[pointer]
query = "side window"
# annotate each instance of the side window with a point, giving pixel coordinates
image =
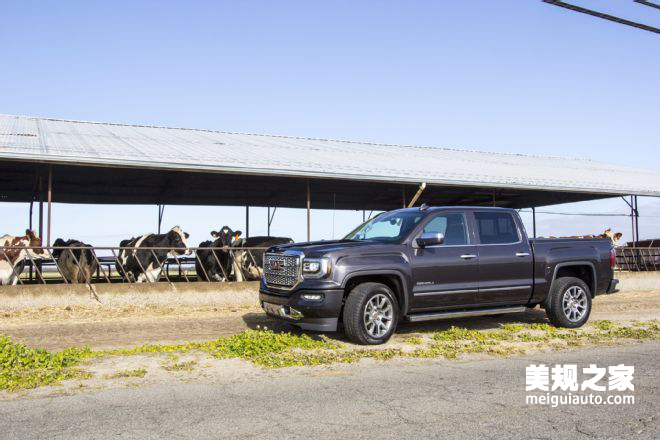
(452, 226)
(496, 228)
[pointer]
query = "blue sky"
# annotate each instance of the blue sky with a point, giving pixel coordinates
(511, 76)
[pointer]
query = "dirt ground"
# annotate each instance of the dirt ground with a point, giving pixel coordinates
(104, 327)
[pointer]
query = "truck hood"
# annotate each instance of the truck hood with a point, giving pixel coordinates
(319, 248)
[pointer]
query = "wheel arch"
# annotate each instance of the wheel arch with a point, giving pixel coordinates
(584, 270)
(391, 278)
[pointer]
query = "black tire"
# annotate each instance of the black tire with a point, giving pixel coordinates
(354, 314)
(555, 309)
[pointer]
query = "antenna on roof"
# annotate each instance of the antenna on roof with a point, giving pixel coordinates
(424, 207)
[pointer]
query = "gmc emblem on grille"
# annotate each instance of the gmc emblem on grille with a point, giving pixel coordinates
(275, 265)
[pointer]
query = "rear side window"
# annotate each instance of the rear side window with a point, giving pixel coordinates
(496, 228)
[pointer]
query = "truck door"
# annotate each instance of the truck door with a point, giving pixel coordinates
(445, 275)
(505, 259)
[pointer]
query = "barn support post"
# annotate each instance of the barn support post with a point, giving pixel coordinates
(419, 192)
(161, 213)
(30, 226)
(50, 200)
(41, 208)
(632, 219)
(637, 219)
(268, 222)
(403, 196)
(270, 218)
(309, 214)
(247, 221)
(534, 221)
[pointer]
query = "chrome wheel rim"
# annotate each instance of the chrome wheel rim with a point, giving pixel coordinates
(575, 303)
(378, 315)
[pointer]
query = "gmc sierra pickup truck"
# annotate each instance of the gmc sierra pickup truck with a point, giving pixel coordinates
(426, 263)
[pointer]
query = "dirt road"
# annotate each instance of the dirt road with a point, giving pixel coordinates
(103, 327)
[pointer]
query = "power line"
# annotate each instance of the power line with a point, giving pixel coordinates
(607, 16)
(587, 214)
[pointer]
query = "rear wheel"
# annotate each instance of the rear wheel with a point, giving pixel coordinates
(570, 302)
(371, 314)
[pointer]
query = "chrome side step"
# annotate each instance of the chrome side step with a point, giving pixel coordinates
(464, 313)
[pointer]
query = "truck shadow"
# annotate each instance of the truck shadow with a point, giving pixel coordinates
(262, 321)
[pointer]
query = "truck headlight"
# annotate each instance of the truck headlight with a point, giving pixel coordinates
(315, 267)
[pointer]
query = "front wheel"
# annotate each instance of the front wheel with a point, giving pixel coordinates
(570, 303)
(371, 314)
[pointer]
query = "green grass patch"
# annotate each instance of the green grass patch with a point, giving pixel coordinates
(181, 366)
(140, 372)
(24, 367)
(413, 340)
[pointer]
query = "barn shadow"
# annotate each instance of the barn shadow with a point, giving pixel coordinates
(533, 316)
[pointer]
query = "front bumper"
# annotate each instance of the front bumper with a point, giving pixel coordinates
(315, 315)
(611, 288)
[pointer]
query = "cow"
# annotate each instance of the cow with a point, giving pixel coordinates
(248, 264)
(15, 251)
(216, 265)
(76, 263)
(614, 237)
(140, 265)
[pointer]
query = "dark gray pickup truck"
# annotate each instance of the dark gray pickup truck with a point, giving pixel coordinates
(420, 264)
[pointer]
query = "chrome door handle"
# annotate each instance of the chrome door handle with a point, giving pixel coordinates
(522, 254)
(468, 256)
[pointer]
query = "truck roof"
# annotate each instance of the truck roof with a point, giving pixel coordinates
(441, 208)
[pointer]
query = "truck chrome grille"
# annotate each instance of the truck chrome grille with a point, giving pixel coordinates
(281, 271)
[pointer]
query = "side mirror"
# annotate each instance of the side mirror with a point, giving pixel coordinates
(430, 239)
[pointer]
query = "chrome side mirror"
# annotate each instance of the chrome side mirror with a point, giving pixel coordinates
(430, 239)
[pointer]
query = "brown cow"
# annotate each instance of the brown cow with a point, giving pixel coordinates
(14, 250)
(613, 236)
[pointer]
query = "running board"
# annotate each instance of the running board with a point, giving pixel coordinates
(464, 314)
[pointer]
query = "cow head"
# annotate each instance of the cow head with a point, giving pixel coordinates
(613, 236)
(34, 242)
(178, 241)
(226, 235)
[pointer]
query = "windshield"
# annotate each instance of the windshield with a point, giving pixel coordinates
(387, 227)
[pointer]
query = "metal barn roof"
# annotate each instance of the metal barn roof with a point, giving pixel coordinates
(163, 151)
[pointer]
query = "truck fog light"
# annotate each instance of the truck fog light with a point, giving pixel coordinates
(312, 296)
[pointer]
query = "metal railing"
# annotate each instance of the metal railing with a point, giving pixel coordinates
(90, 265)
(637, 259)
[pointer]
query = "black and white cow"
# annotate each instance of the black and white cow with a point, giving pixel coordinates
(140, 265)
(218, 267)
(76, 264)
(248, 264)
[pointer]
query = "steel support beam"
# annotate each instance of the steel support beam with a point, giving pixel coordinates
(309, 214)
(637, 219)
(161, 212)
(270, 218)
(247, 221)
(419, 192)
(50, 201)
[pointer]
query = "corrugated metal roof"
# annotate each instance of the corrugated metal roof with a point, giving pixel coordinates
(77, 142)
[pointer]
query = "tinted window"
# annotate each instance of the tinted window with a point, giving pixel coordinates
(496, 227)
(452, 226)
(389, 227)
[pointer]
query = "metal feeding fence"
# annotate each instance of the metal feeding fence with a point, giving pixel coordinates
(637, 259)
(89, 265)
